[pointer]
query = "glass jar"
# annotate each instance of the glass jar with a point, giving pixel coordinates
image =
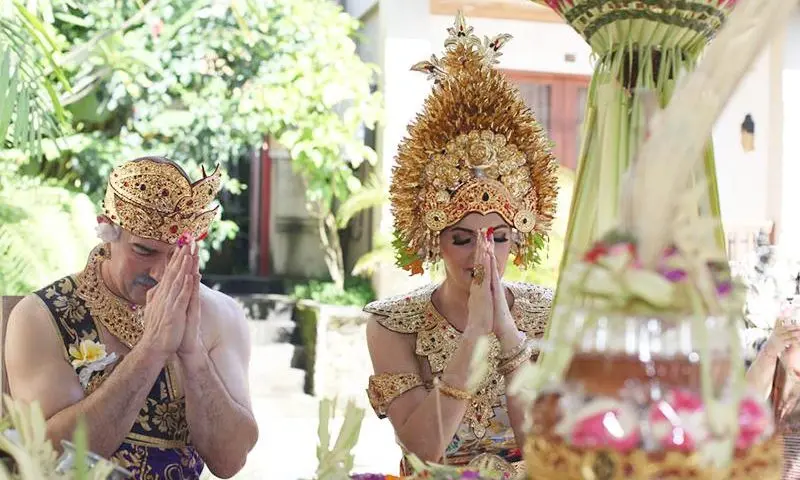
(67, 462)
(644, 397)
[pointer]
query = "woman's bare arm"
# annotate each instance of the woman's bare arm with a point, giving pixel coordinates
(423, 423)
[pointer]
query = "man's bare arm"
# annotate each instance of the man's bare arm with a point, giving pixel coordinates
(221, 423)
(38, 371)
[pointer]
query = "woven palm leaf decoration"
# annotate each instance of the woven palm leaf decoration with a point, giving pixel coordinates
(643, 48)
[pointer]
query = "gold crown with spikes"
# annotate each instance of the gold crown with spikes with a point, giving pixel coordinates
(153, 199)
(476, 147)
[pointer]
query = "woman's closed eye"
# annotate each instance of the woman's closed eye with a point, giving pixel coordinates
(466, 240)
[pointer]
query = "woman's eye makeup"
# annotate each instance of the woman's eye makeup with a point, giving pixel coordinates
(457, 240)
(461, 240)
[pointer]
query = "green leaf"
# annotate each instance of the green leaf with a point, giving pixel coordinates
(22, 121)
(8, 92)
(38, 31)
(375, 194)
(81, 442)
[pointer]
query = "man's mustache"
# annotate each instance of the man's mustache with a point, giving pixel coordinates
(145, 281)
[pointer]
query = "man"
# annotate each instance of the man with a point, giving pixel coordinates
(154, 362)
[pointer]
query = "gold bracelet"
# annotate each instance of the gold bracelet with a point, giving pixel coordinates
(516, 350)
(513, 363)
(449, 390)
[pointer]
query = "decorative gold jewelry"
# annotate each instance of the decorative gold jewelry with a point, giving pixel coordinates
(445, 389)
(476, 147)
(507, 366)
(153, 199)
(478, 273)
(437, 341)
(384, 388)
(121, 319)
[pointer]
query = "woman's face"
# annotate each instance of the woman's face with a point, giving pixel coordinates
(458, 244)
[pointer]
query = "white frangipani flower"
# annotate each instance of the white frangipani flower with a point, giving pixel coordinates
(108, 232)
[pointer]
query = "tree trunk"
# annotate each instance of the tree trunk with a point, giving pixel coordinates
(331, 248)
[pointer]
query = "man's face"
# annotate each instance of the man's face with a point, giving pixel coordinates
(137, 264)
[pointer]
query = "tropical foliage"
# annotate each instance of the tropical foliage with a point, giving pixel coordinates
(85, 85)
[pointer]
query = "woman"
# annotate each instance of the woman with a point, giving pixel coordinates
(774, 374)
(475, 182)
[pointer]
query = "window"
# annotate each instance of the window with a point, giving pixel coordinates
(559, 103)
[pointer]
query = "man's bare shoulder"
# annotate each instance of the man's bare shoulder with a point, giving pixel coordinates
(35, 358)
(30, 317)
(223, 315)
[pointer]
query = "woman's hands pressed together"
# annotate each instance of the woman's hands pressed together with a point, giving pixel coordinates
(480, 319)
(503, 326)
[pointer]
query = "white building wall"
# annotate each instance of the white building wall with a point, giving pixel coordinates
(357, 8)
(536, 46)
(403, 41)
(790, 190)
(742, 176)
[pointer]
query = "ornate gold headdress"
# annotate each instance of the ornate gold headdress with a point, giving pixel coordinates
(475, 147)
(153, 199)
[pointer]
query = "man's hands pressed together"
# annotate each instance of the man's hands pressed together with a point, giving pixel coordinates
(167, 305)
(192, 342)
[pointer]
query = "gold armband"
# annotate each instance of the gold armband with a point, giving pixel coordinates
(449, 390)
(385, 387)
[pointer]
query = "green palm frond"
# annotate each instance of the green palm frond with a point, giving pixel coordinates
(29, 106)
(31, 215)
(336, 462)
(372, 194)
(382, 254)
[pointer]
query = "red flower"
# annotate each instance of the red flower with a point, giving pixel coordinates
(599, 250)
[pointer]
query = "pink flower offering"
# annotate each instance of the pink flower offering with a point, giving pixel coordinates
(754, 422)
(609, 426)
(677, 421)
(670, 267)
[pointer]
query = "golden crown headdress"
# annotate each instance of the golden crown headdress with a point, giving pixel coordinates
(152, 198)
(476, 147)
